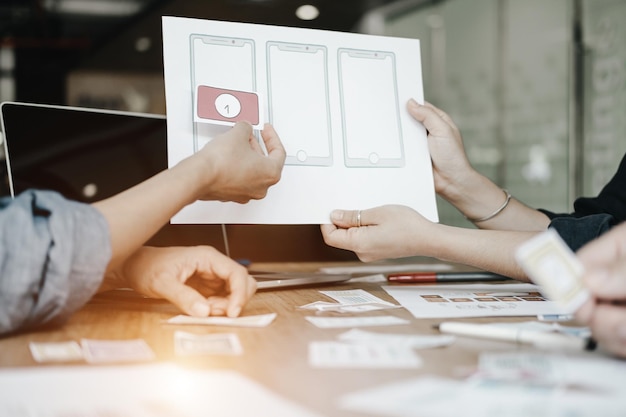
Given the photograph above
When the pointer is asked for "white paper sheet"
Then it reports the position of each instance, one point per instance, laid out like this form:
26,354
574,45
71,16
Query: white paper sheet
506,385
338,101
472,300
329,354
138,390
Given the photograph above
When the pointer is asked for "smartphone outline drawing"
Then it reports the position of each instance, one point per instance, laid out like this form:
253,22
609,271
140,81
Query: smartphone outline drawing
227,64
308,90
379,91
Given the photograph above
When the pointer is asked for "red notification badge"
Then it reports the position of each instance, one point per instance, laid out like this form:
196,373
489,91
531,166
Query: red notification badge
227,106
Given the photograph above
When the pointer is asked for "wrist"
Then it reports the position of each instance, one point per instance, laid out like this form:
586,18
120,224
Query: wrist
197,174
112,280
467,190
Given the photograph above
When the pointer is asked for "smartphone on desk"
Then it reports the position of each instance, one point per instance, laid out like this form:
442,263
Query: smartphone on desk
272,280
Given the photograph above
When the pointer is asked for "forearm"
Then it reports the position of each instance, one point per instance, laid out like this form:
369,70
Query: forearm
139,212
491,250
477,197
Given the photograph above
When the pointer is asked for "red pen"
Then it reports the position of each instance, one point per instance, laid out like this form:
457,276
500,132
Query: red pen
430,277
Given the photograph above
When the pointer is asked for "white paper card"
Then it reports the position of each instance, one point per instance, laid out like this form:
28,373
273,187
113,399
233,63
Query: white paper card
346,355
550,263
472,300
337,100
261,320
338,322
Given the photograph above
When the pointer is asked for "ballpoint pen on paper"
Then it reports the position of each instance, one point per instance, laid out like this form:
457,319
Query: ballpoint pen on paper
432,277
543,340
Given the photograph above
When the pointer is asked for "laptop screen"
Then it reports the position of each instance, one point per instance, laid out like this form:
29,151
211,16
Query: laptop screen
86,155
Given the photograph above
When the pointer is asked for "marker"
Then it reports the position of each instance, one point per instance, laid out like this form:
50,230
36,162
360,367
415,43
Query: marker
542,340
430,277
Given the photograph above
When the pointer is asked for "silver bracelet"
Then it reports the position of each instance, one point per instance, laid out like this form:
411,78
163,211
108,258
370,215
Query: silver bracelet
495,213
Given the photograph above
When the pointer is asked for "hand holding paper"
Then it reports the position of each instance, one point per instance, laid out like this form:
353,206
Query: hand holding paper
550,263
241,170
597,276
605,263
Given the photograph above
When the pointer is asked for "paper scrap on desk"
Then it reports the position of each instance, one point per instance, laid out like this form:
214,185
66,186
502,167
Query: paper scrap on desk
349,355
550,263
369,278
146,390
109,351
354,297
506,385
345,308
383,269
338,322
412,341
56,351
578,372
472,300
190,344
350,301
261,320
414,397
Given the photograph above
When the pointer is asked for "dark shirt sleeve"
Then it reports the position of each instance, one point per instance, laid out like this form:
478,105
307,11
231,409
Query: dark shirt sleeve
53,255
577,231
592,216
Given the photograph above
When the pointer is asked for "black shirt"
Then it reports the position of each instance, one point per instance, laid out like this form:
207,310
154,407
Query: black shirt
592,216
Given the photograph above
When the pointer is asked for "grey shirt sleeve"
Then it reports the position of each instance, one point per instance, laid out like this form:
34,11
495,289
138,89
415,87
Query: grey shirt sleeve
53,256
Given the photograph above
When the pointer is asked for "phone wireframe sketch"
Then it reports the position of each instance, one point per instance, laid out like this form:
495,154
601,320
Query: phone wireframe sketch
372,132
221,62
298,101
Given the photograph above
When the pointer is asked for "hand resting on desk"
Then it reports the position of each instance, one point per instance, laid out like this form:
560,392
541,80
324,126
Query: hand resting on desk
199,280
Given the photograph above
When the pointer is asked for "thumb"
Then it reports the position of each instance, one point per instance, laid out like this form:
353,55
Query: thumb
241,131
347,218
190,301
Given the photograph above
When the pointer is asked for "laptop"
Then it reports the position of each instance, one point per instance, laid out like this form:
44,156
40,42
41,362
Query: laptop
84,154
90,154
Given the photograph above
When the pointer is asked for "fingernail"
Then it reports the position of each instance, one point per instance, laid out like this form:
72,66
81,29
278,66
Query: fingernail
413,103
336,215
200,309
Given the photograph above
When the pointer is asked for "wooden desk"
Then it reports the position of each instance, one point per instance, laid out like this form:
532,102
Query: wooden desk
275,356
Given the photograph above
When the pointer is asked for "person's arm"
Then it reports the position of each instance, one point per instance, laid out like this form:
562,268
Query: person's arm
604,260
231,167
53,254
473,194
398,231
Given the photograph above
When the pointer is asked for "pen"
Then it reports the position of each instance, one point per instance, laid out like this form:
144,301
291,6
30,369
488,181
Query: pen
544,340
426,277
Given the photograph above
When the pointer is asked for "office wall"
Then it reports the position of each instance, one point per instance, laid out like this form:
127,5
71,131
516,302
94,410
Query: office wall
506,71
604,90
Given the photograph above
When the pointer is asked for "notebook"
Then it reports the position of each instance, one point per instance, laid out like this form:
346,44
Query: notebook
90,154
